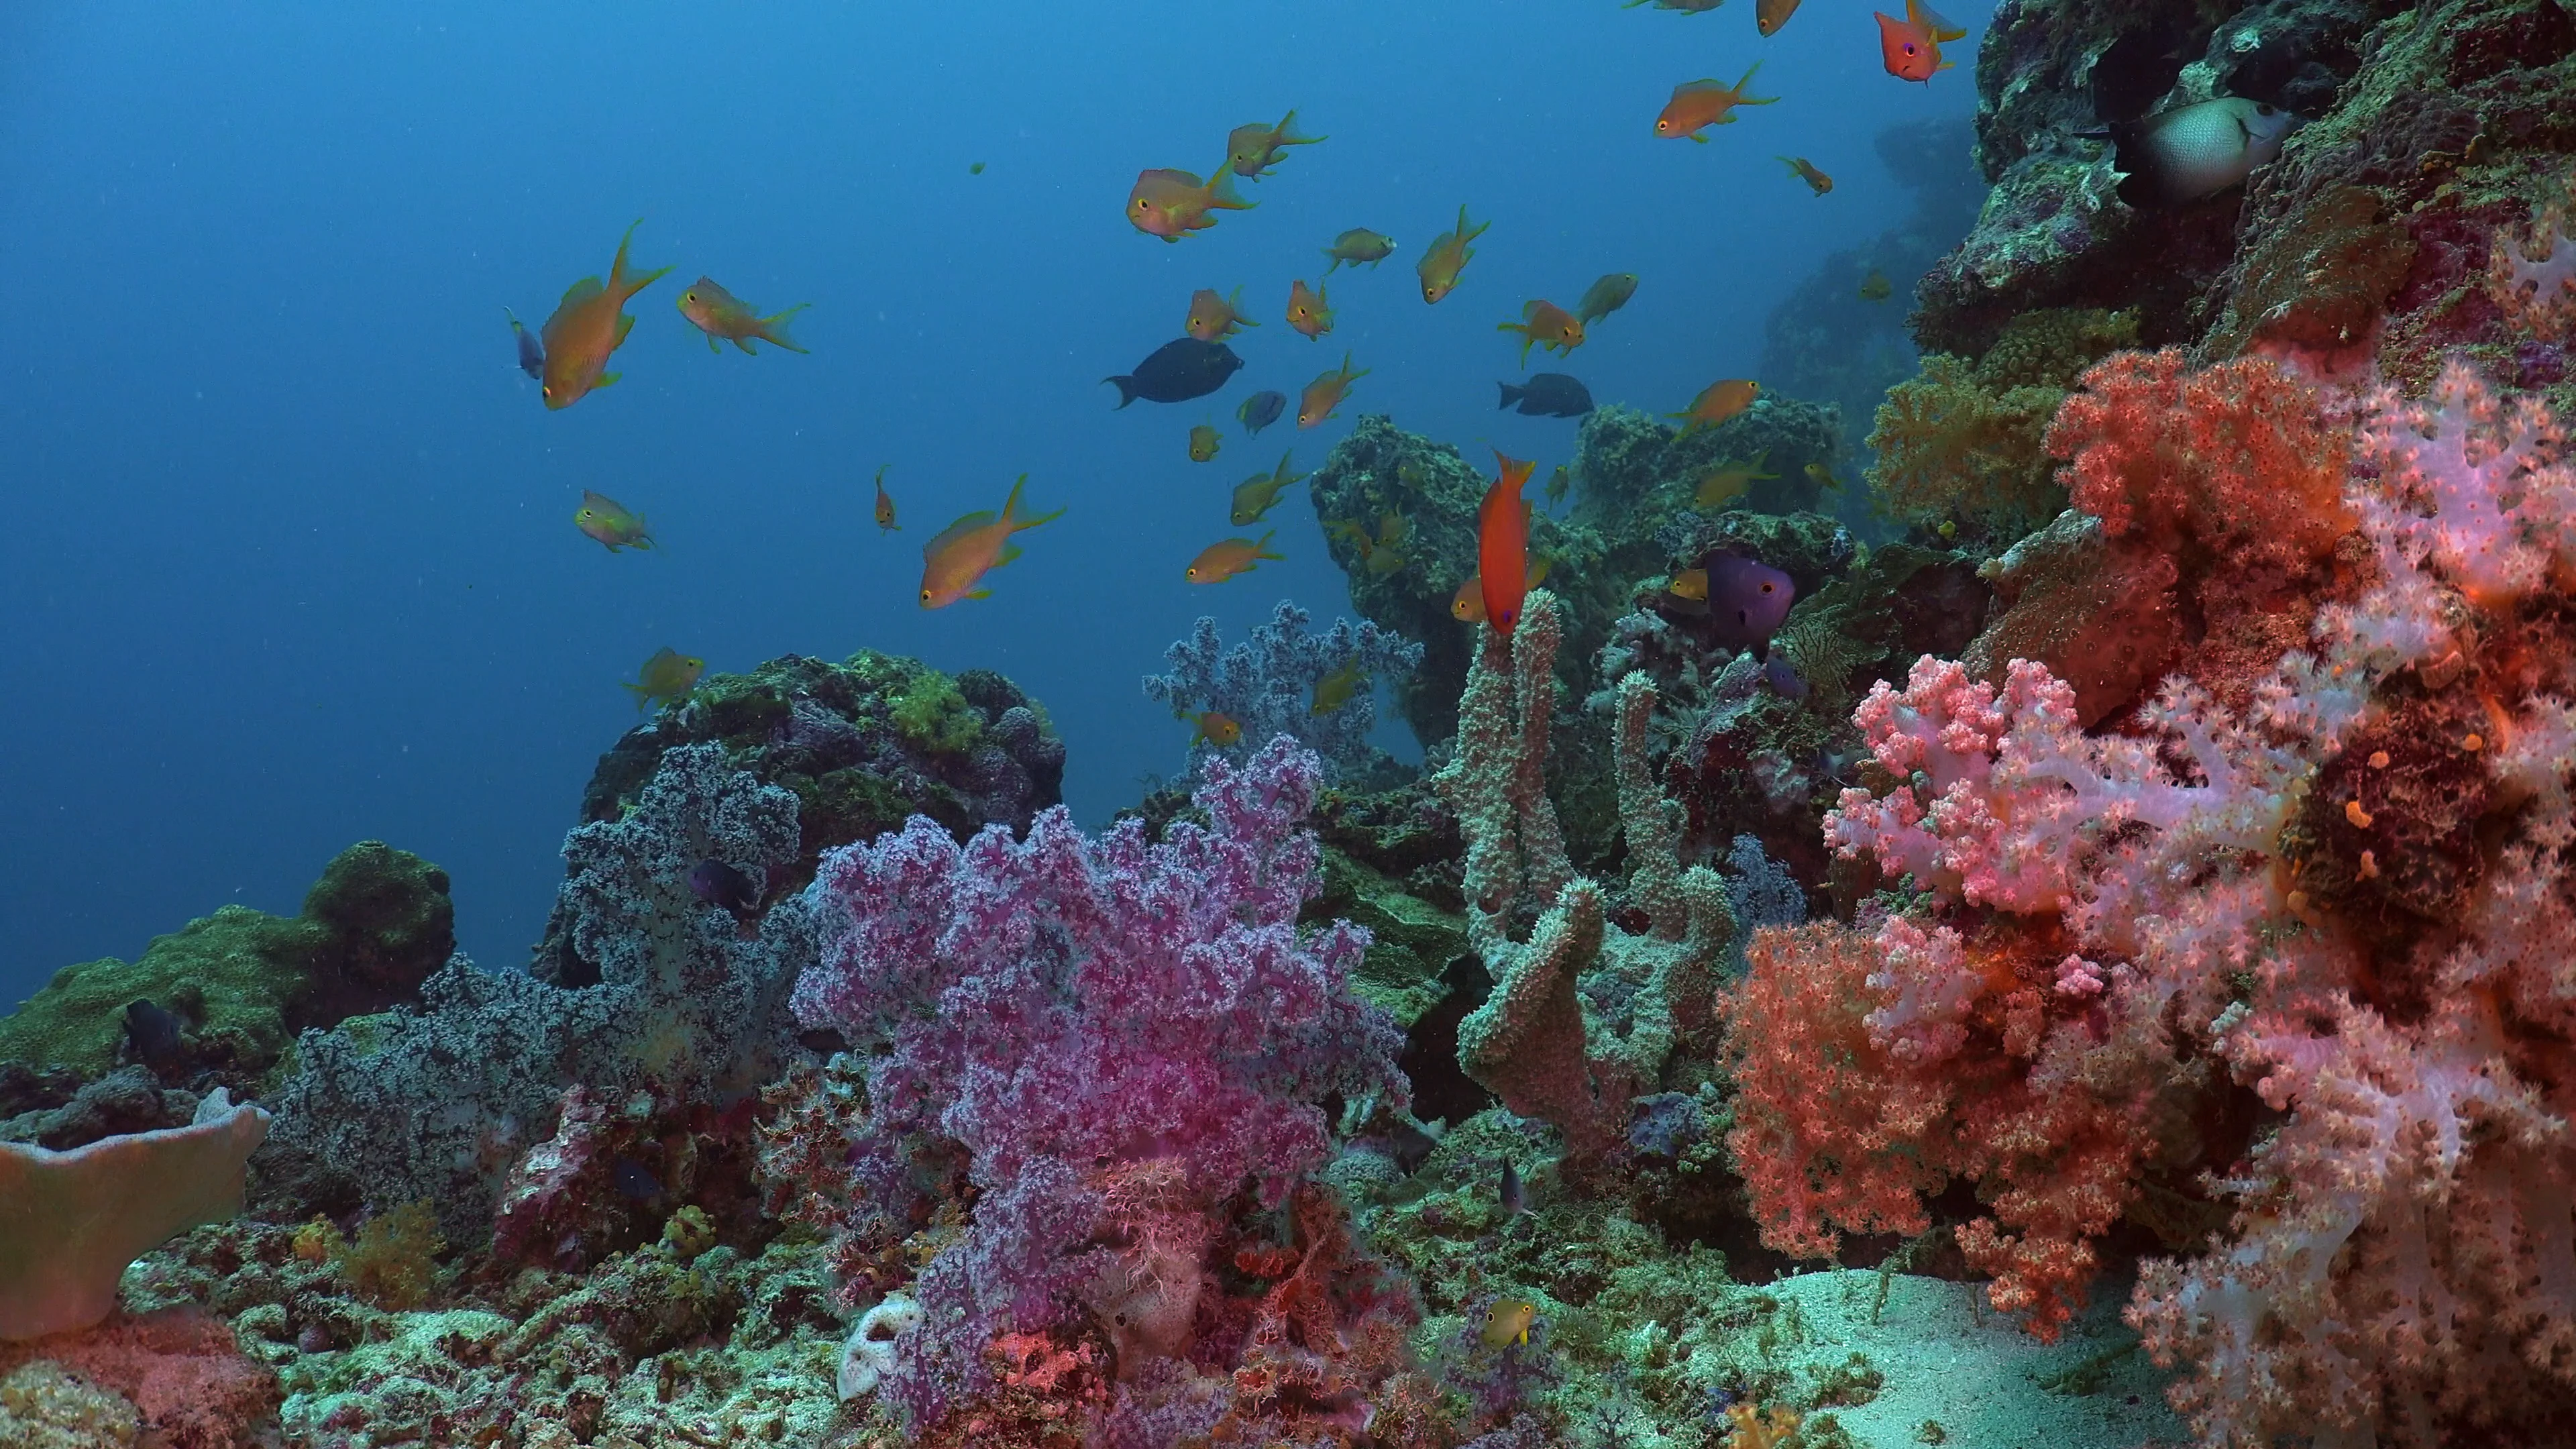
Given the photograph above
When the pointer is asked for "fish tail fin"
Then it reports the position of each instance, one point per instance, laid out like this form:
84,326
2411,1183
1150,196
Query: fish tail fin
1126,386
1221,193
1742,99
1261,547
643,696
1511,394
1328,271
1234,301
1929,21
773,329
1285,135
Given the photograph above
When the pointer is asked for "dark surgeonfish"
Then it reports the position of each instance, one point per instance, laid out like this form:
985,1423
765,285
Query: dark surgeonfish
727,889
532,357
1178,371
153,1031
1548,395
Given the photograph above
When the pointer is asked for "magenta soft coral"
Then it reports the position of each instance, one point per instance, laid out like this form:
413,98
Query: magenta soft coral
1061,1006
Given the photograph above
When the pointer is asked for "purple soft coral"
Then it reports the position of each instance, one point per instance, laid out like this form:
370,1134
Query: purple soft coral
1060,1004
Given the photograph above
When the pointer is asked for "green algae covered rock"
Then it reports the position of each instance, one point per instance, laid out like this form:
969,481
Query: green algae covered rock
243,982
862,744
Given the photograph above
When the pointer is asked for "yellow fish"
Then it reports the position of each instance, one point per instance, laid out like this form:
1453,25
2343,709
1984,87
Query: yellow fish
1689,584
1557,484
885,504
1203,443
667,676
1440,266
1823,476
1225,558
1728,481
1606,296
1805,170
719,314
957,560
1770,15
1326,392
590,323
1308,313
1213,318
1358,245
1337,688
1215,728
1717,402
1509,1321
606,519
1548,325
1876,287
1255,496
1251,150
1172,204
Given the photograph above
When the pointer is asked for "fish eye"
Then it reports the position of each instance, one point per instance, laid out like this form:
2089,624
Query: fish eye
1767,586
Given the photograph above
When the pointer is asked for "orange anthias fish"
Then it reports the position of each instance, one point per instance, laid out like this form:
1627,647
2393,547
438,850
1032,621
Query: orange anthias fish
1467,606
954,563
1213,318
1326,392
885,504
720,314
589,323
1227,557
1215,727
1502,543
1440,266
1702,103
1308,313
1805,170
1548,325
1770,15
1251,150
1717,402
1912,46
1172,204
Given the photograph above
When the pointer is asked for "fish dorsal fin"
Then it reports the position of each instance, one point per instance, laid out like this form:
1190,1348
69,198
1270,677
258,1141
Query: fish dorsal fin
981,518
1702,88
582,291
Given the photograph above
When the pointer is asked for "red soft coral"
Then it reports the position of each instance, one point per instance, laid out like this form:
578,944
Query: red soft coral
2236,458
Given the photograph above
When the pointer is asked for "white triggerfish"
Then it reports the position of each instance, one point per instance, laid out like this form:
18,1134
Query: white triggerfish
2197,151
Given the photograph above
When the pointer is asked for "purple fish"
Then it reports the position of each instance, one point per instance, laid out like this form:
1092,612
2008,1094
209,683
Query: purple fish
1747,598
726,888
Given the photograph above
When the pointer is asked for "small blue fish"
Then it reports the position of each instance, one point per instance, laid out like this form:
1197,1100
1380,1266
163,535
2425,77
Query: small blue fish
1515,1199
1261,410
532,357
635,1180
1783,677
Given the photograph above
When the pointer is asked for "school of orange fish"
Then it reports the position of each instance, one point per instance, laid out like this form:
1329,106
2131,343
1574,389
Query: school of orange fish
569,358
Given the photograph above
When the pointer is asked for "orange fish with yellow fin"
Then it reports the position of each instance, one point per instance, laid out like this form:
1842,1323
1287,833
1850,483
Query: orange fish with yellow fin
1697,105
1911,47
953,565
588,324
1172,204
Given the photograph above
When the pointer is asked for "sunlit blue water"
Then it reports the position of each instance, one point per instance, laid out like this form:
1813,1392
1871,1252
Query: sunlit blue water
286,557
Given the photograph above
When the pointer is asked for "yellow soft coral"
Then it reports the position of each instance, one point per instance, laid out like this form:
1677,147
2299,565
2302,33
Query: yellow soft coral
1961,442
1752,1428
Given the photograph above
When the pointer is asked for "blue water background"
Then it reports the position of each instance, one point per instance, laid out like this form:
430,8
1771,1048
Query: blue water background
286,557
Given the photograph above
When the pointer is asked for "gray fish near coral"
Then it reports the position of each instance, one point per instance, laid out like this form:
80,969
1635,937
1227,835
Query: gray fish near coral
153,1031
1261,410
1548,395
2194,152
